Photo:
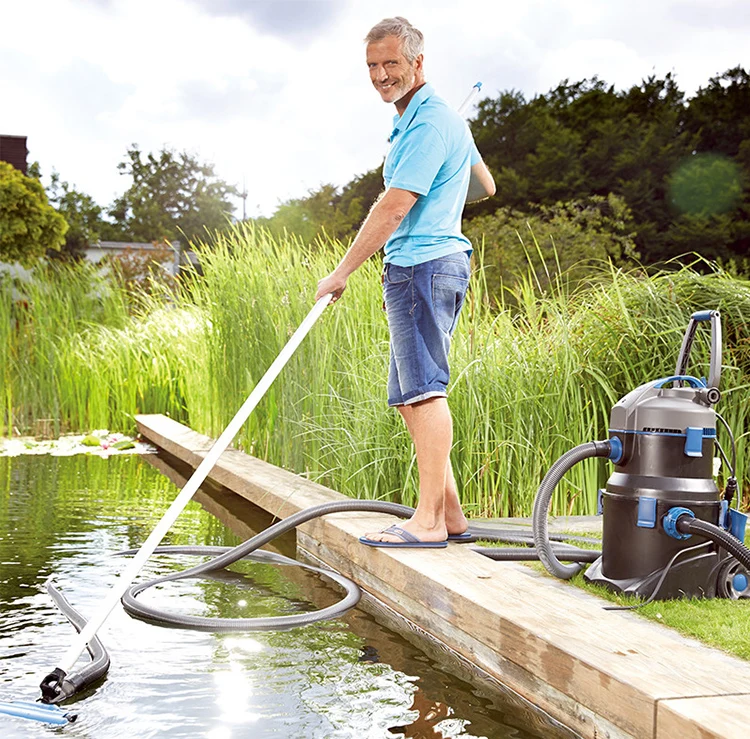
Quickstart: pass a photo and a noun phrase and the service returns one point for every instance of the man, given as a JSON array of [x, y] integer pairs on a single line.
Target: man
[[431, 167]]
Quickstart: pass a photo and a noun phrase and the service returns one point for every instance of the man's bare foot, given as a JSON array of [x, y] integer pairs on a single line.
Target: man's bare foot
[[456, 523], [415, 529]]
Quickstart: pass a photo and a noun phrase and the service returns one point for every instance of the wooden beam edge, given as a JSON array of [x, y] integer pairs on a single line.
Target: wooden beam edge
[[596, 717]]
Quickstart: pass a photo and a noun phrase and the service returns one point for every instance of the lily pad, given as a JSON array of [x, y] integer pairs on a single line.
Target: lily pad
[[91, 440]]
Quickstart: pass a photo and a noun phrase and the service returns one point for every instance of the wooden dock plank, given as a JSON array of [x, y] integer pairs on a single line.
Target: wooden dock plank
[[704, 718], [602, 673]]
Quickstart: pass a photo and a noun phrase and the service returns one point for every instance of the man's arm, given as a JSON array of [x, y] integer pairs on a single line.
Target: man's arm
[[384, 218], [481, 184]]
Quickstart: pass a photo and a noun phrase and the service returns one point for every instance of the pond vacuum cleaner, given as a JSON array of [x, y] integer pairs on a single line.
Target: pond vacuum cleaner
[[668, 532], [661, 494]]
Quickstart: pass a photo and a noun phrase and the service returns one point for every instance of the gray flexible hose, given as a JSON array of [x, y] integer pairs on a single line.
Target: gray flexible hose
[[542, 502], [717, 535], [141, 611], [96, 669], [532, 555], [522, 535]]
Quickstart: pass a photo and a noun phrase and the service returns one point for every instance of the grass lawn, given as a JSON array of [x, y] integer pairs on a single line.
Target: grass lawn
[[717, 622]]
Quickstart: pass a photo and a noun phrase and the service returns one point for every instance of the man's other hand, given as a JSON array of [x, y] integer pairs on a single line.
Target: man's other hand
[[481, 184]]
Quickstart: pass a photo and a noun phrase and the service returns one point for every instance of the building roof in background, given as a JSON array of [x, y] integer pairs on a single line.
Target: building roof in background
[[13, 150], [121, 245]]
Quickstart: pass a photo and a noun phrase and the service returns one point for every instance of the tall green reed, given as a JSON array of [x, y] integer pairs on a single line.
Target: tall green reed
[[532, 376], [80, 359], [54, 307], [7, 327]]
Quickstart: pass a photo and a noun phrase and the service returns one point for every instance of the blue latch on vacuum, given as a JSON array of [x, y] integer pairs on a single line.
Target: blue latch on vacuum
[[600, 502], [737, 524], [647, 513], [724, 515], [694, 441]]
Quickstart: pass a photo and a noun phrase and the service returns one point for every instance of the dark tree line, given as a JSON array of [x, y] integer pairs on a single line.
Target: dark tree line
[[682, 167]]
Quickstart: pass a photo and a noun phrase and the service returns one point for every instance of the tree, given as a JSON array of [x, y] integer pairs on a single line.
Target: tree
[[321, 213], [82, 214], [29, 225], [682, 167], [569, 239], [720, 113], [326, 211], [173, 196], [309, 217]]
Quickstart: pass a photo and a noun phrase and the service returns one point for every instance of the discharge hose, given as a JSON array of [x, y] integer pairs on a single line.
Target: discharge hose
[[542, 502], [686, 524], [248, 550], [572, 554]]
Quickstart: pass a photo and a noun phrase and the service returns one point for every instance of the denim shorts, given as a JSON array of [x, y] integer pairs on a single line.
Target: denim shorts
[[423, 303]]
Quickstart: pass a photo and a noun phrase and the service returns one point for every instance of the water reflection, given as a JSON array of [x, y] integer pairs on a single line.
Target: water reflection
[[350, 678]]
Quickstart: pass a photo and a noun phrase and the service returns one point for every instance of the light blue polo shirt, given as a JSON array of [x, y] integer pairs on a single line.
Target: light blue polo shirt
[[432, 152]]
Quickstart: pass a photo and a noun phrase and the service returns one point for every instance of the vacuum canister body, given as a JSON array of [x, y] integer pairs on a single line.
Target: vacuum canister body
[[667, 437]]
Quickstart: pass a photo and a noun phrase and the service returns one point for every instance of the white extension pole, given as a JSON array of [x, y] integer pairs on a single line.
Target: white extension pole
[[195, 481], [463, 109]]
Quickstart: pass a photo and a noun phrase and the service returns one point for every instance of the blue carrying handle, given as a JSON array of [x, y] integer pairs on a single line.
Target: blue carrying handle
[[692, 381]]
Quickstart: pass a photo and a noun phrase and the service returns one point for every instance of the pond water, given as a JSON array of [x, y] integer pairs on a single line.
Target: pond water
[[65, 517]]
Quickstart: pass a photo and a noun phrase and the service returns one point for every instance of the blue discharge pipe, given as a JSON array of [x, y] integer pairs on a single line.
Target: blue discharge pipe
[[42, 712]]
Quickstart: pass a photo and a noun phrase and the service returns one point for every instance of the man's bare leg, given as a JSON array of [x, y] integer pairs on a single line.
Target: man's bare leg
[[455, 520], [438, 511]]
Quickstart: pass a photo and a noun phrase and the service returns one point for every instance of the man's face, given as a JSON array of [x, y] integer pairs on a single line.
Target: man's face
[[392, 75]]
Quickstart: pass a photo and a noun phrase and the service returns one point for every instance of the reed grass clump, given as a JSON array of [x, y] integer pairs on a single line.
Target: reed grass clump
[[532, 376], [7, 328], [77, 357]]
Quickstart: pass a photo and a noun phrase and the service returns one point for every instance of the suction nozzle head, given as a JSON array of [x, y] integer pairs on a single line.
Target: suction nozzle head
[[51, 686]]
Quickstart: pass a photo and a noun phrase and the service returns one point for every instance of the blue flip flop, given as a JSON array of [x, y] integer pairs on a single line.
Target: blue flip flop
[[409, 541], [466, 536]]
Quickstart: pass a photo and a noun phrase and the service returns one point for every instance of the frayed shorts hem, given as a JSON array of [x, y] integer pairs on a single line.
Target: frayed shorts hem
[[421, 396]]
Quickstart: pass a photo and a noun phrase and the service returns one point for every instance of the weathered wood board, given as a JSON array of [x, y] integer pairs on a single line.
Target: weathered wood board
[[603, 673], [704, 718]]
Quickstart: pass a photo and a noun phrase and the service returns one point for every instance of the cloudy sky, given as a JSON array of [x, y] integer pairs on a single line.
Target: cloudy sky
[[276, 92]]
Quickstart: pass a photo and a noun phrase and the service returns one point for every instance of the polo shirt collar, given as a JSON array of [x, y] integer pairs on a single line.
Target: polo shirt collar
[[401, 122]]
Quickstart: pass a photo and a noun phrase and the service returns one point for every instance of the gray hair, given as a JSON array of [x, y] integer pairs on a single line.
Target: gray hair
[[412, 40]]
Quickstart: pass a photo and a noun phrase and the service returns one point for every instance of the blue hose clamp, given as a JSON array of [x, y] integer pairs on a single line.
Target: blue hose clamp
[[669, 522], [615, 449]]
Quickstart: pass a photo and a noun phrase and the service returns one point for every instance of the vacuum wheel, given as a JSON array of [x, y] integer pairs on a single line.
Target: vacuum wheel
[[733, 581]]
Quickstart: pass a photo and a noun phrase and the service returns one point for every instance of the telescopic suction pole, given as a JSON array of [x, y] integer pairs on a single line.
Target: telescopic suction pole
[[463, 109], [51, 685]]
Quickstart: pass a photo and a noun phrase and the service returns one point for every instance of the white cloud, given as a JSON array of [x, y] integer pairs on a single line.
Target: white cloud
[[289, 105], [610, 60]]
